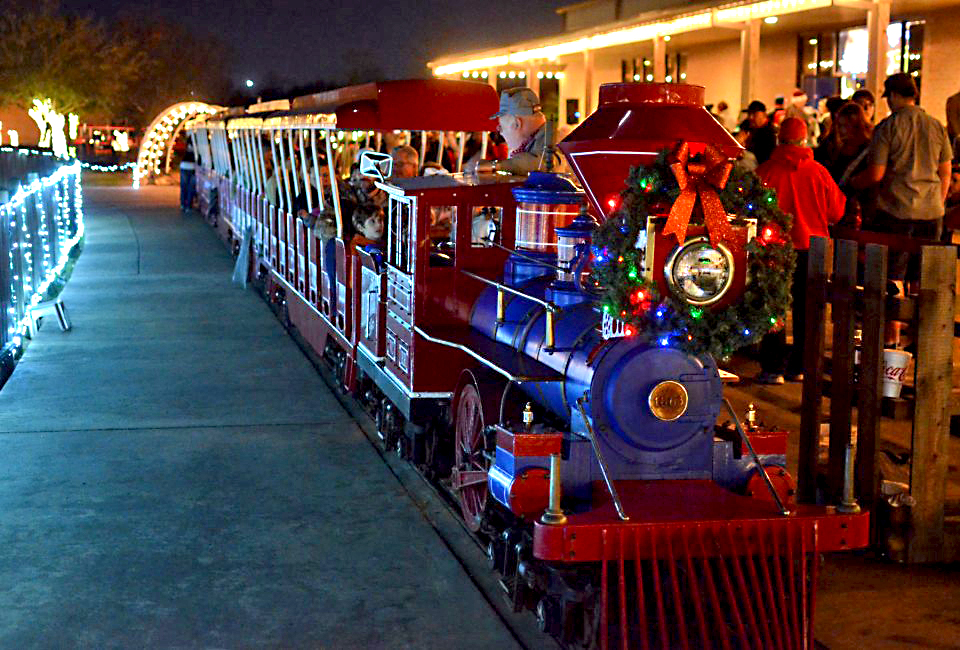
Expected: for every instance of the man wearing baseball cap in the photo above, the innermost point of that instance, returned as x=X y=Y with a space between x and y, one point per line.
x=763 y=137
x=523 y=126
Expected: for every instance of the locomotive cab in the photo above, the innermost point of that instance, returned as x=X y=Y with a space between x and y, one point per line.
x=437 y=228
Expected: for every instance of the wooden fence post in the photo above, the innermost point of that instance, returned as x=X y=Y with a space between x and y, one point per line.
x=841 y=297
x=931 y=427
x=819 y=261
x=871 y=376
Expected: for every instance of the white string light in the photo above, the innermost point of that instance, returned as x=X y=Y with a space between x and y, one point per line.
x=108 y=168
x=55 y=254
x=159 y=133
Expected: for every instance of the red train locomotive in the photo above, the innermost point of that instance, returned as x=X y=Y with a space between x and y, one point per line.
x=586 y=458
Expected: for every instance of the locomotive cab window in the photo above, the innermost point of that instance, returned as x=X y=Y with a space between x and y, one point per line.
x=400 y=218
x=485 y=227
x=443 y=235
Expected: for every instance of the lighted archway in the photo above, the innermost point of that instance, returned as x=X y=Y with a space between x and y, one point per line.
x=157 y=143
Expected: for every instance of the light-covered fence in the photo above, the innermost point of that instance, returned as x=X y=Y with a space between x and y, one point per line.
x=41 y=220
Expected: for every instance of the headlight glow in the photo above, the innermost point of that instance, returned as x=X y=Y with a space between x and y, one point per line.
x=698 y=272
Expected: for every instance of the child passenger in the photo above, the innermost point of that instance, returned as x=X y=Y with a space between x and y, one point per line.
x=368 y=221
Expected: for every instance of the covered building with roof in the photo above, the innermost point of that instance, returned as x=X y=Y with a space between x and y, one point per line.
x=739 y=51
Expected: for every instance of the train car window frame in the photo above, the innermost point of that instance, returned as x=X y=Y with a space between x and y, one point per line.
x=236 y=140
x=231 y=159
x=215 y=146
x=437 y=248
x=291 y=150
x=316 y=169
x=303 y=167
x=248 y=168
x=483 y=241
x=227 y=158
x=331 y=169
x=263 y=163
x=217 y=156
x=215 y=151
x=401 y=217
x=285 y=171
x=256 y=141
x=251 y=157
x=275 y=139
x=237 y=155
x=243 y=179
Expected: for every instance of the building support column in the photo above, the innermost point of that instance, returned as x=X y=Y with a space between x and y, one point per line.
x=659 y=59
x=878 y=18
x=531 y=78
x=587 y=83
x=749 y=61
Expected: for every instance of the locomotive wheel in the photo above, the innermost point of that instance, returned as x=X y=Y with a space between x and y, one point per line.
x=470 y=473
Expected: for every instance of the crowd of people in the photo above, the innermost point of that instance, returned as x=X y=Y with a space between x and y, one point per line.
x=898 y=176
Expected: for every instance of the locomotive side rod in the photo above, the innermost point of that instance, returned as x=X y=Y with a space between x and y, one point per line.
x=756 y=458
x=603 y=465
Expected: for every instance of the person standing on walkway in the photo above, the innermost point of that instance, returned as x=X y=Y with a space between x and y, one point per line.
x=763 y=137
x=188 y=184
x=853 y=132
x=806 y=191
x=910 y=163
x=867 y=102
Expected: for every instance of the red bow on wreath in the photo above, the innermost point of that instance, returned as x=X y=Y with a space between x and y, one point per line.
x=703 y=180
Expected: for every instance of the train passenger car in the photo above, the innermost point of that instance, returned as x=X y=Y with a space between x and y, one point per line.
x=589 y=464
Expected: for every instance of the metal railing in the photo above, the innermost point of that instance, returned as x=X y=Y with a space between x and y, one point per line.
x=41 y=220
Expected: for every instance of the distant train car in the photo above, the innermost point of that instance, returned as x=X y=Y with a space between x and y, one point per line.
x=590 y=465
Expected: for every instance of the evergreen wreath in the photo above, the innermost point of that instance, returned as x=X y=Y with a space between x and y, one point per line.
x=667 y=320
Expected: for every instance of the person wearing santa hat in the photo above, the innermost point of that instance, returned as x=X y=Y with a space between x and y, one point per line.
x=807 y=114
x=805 y=190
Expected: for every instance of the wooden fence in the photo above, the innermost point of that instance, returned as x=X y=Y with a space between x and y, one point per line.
x=832 y=277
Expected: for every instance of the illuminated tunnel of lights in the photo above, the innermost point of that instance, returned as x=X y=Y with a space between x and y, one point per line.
x=156 y=147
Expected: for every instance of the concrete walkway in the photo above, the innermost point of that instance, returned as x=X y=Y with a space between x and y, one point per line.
x=175 y=474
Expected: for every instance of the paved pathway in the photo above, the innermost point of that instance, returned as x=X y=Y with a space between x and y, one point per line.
x=175 y=474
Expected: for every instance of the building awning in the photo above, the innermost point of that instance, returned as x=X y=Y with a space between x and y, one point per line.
x=650 y=25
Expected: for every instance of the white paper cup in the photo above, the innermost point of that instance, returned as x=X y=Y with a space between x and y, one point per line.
x=895 y=364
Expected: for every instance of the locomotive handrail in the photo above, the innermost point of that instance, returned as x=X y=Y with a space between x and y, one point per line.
x=529 y=258
x=503 y=287
x=756 y=459
x=603 y=464
x=551 y=308
x=535 y=371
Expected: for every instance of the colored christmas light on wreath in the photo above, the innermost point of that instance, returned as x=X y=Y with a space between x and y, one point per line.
x=672 y=186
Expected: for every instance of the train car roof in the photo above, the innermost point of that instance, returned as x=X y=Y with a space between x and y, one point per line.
x=445 y=181
x=415 y=105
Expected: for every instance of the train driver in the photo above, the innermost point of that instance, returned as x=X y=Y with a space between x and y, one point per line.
x=523 y=125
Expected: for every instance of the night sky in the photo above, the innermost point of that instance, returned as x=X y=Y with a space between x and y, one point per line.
x=278 y=42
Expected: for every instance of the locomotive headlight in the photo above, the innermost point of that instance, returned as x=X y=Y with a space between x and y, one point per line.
x=699 y=272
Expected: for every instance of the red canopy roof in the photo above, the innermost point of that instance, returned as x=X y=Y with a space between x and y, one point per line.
x=417 y=105
x=633 y=123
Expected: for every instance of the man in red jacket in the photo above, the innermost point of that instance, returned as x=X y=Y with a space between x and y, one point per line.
x=805 y=190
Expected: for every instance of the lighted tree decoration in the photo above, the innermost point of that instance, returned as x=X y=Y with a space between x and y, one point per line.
x=667 y=320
